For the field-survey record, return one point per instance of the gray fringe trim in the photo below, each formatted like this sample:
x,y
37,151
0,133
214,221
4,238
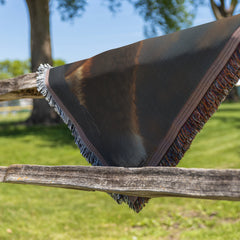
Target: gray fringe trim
x,y
89,155
41,87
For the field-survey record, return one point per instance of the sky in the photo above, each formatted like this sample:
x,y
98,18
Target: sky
x,y
96,31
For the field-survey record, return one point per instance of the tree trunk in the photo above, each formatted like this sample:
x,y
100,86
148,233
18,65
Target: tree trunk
x,y
40,53
220,11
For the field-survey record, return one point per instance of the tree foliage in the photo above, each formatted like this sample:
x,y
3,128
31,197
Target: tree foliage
x,y
70,9
166,15
9,69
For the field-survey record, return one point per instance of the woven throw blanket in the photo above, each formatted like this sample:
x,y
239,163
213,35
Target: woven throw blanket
x,y
143,104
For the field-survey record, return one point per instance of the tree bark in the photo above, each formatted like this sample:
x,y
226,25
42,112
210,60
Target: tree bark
x,y
220,11
40,53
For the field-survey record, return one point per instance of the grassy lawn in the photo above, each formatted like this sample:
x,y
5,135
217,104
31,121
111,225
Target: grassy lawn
x,y
40,213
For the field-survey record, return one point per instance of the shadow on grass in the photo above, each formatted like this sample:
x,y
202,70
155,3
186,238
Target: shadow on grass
x,y
60,135
52,135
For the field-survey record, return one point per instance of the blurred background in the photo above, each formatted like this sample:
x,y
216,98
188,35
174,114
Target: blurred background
x,y
64,31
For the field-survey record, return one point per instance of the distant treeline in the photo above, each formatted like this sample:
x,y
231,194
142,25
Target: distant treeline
x,y
13,68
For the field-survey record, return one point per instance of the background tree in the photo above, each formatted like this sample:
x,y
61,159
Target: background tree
x,y
221,10
40,53
169,16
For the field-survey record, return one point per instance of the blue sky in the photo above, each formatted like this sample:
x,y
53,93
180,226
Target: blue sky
x,y
96,31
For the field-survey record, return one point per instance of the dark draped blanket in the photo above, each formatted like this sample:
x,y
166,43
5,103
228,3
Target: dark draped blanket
x,y
143,104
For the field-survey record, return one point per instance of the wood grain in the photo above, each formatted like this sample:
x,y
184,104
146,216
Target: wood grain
x,y
146,182
24,86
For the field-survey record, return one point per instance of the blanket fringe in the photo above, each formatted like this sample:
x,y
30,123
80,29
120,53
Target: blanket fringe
x,y
137,205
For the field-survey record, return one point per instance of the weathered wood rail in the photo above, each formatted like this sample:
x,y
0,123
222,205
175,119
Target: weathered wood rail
x,y
24,86
146,182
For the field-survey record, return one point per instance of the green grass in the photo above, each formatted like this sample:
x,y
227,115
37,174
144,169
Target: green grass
x,y
40,213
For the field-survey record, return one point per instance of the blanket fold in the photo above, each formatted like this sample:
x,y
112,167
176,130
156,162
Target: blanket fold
x,y
143,104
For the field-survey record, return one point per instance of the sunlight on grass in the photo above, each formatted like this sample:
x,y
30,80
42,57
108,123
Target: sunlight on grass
x,y
39,213
217,145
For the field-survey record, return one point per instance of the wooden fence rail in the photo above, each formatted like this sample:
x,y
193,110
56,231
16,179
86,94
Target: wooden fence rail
x,y
24,86
145,182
